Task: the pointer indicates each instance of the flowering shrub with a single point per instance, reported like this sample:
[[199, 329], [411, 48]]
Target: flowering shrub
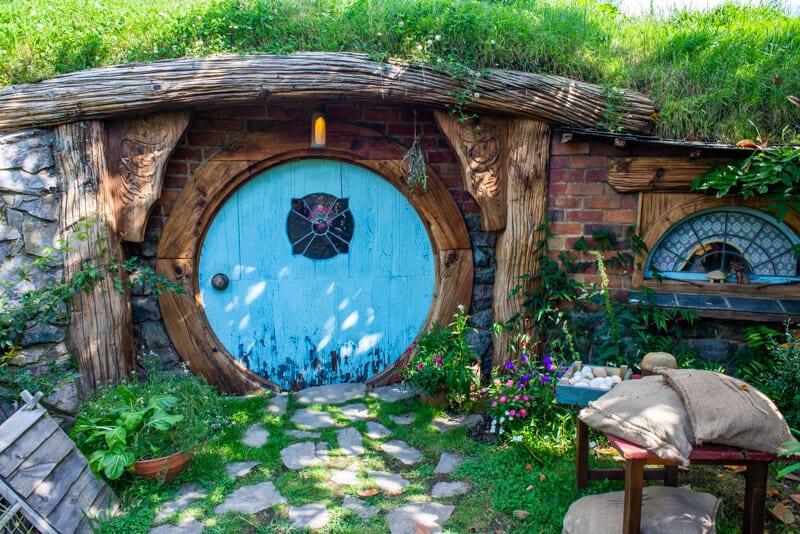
[[442, 360], [522, 393]]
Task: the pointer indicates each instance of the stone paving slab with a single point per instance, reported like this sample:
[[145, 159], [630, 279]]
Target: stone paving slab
[[305, 454], [360, 507], [348, 476], [429, 515], [389, 483], [312, 418], [446, 424], [332, 394], [449, 489], [255, 436], [277, 404], [376, 430], [402, 451], [356, 412], [313, 516], [405, 419], [240, 469], [394, 393], [191, 526], [350, 441], [186, 494], [251, 499], [448, 463], [303, 434]]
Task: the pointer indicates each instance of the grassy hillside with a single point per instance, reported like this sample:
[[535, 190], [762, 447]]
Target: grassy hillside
[[715, 76]]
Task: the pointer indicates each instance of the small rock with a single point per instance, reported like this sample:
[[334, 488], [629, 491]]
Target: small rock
[[359, 507], [448, 463], [347, 477], [405, 419], [390, 483], [239, 469], [356, 412], [185, 495], [429, 515], [449, 489], [303, 434], [332, 394], [256, 436], [301, 455], [251, 499], [350, 441], [191, 526], [377, 430], [445, 424], [312, 418], [314, 516], [521, 514], [395, 392], [277, 404], [402, 451]]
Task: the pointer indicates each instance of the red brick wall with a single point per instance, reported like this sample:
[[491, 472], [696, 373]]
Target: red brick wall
[[581, 201]]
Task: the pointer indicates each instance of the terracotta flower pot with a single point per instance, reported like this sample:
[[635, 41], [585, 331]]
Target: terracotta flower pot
[[163, 469]]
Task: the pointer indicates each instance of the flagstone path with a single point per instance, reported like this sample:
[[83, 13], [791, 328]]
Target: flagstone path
[[405, 518]]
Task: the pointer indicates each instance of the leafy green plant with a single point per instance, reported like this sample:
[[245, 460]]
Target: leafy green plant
[[773, 172], [443, 360], [130, 421], [792, 449]]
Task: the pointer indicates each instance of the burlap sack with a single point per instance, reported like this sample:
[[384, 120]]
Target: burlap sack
[[646, 412], [664, 510], [727, 411]]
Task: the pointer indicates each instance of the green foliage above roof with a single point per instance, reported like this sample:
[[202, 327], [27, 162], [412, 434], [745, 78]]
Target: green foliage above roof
[[713, 76]]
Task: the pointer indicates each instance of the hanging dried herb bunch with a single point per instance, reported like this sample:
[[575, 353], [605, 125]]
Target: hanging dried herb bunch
[[415, 165]]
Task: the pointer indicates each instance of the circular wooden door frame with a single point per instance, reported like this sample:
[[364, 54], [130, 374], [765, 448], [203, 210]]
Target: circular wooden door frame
[[216, 180]]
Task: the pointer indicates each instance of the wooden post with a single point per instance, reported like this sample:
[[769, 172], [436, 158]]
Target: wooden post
[[528, 154], [100, 326]]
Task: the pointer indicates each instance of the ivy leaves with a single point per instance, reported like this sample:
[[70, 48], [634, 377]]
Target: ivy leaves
[[773, 172]]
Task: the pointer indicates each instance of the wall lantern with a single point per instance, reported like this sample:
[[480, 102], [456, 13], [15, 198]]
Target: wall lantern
[[318, 129]]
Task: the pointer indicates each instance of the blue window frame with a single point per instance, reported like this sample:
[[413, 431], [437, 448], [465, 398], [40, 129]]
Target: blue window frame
[[724, 239]]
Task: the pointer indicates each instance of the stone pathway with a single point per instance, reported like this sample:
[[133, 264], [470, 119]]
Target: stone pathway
[[308, 450]]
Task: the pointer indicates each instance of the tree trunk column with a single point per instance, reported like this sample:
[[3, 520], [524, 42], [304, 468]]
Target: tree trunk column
[[100, 324], [528, 155]]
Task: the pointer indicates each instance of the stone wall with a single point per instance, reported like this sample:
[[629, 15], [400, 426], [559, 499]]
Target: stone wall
[[29, 223]]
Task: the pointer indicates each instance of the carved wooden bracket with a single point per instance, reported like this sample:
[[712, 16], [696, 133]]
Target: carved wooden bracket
[[137, 151], [481, 148]]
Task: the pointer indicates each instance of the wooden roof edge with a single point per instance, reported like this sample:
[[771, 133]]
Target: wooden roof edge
[[187, 83]]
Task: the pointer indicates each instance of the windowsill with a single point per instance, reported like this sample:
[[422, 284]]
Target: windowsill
[[729, 306]]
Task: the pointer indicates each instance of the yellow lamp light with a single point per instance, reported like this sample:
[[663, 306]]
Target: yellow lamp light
[[318, 130]]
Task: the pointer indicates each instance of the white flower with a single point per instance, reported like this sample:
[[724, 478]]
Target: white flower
[[419, 47], [516, 438], [429, 42], [401, 23], [492, 42], [438, 37], [379, 34]]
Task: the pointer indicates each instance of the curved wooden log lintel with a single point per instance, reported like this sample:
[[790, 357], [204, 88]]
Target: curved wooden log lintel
[[480, 146], [178, 84], [136, 153], [528, 154]]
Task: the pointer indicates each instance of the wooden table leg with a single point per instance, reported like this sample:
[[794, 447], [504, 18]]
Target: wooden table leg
[[755, 496], [634, 482], [581, 455]]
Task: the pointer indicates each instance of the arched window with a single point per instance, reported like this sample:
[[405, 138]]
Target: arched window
[[722, 241]]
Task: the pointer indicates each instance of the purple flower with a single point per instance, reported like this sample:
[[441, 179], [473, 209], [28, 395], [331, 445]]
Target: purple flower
[[545, 379], [548, 363], [524, 358], [509, 364], [420, 367], [525, 378]]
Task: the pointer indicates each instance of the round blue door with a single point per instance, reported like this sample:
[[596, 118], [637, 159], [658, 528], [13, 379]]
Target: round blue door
[[316, 272]]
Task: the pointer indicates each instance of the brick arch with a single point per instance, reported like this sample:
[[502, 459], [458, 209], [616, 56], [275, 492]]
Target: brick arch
[[212, 184]]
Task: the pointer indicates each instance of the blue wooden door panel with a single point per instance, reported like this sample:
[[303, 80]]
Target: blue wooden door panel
[[299, 321]]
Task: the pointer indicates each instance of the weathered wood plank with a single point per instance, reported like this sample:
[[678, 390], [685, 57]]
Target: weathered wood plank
[[24, 445], [528, 154], [480, 147], [48, 494], [629, 175], [190, 82], [16, 425], [69, 512], [100, 334], [41, 463], [137, 151], [105, 506], [30, 514]]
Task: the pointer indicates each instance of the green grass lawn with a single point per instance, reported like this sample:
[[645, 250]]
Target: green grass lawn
[[715, 76], [504, 477]]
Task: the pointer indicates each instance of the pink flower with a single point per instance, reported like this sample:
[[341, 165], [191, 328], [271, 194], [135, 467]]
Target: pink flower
[[523, 412], [503, 399], [420, 367], [526, 398], [510, 383], [512, 413], [516, 397], [439, 362], [494, 404], [497, 382]]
